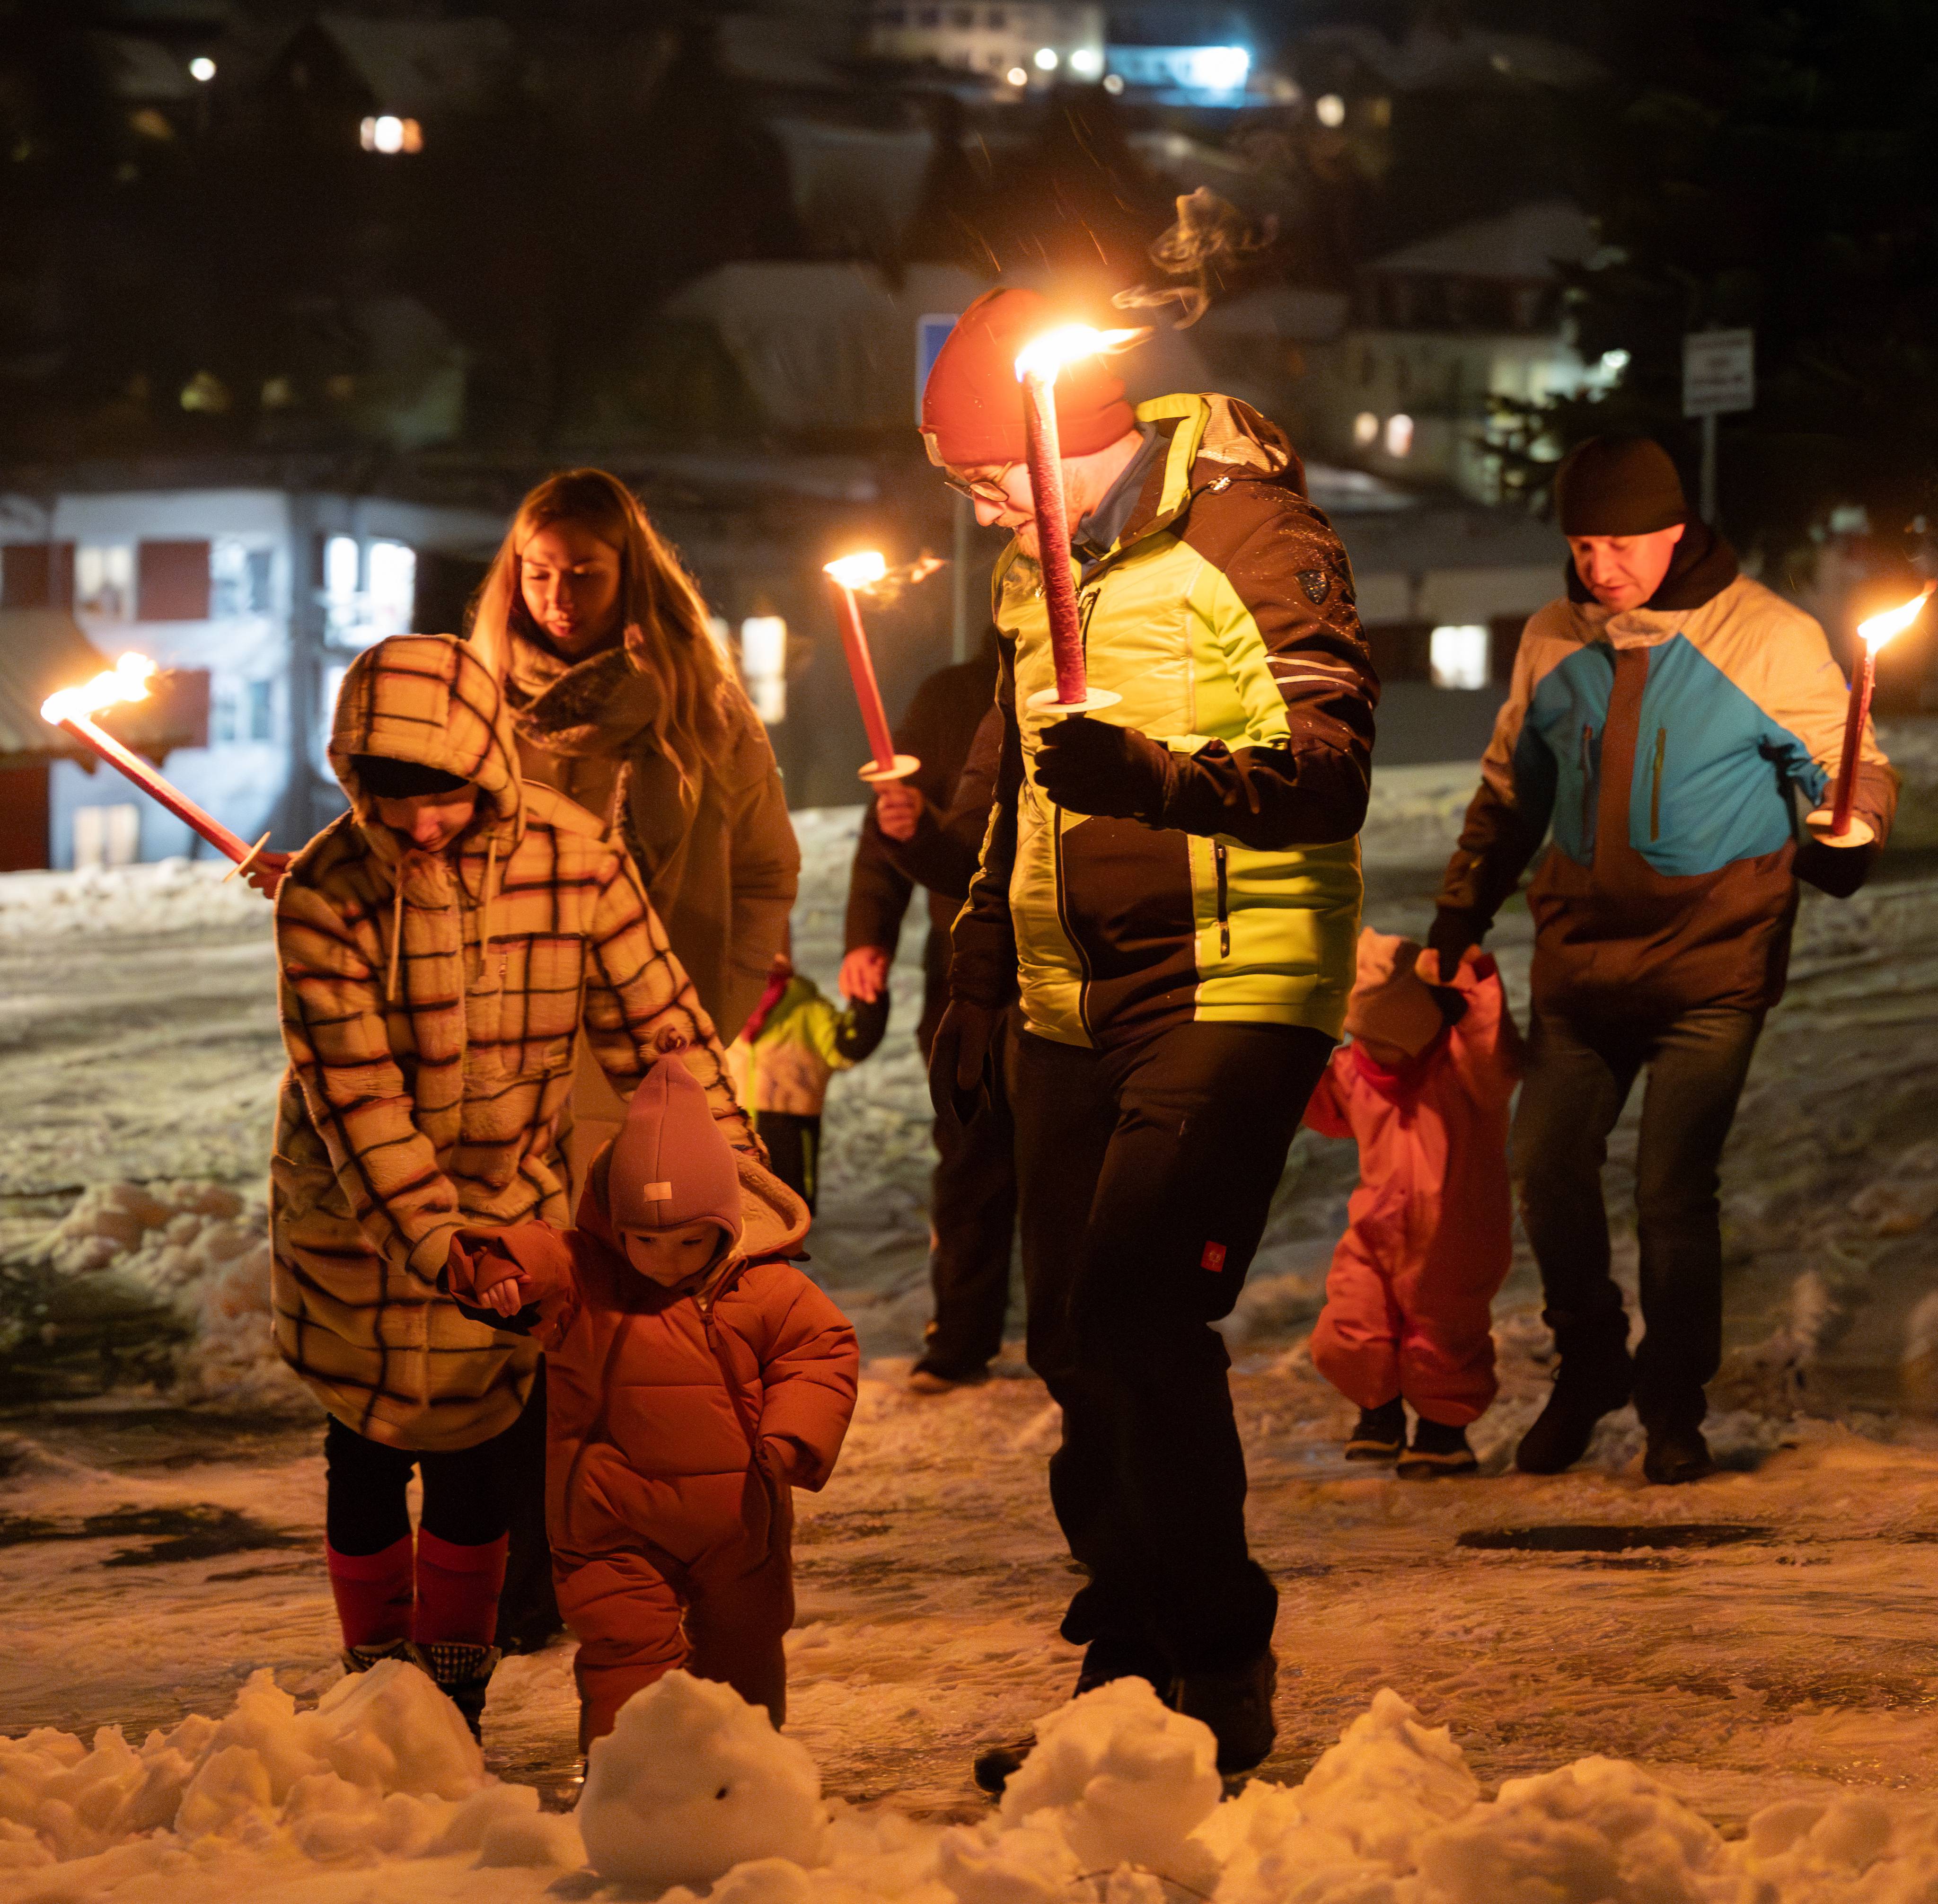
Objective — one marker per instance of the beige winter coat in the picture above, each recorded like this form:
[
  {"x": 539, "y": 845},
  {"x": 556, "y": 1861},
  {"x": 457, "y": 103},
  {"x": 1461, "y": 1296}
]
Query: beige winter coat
[
  {"x": 431, "y": 1007},
  {"x": 719, "y": 860}
]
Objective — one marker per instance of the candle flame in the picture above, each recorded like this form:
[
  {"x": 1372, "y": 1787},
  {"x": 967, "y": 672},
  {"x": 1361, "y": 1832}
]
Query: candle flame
[
  {"x": 1881, "y": 628},
  {"x": 127, "y": 681},
  {"x": 1043, "y": 357},
  {"x": 860, "y": 570}
]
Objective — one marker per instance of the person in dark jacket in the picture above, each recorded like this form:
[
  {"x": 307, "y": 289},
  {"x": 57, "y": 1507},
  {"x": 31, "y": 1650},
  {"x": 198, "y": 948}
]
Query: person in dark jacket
[
  {"x": 1662, "y": 714},
  {"x": 926, "y": 831},
  {"x": 1171, "y": 890}
]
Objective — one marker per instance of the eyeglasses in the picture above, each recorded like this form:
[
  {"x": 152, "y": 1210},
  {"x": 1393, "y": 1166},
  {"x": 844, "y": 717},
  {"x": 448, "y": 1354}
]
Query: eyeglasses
[{"x": 983, "y": 489}]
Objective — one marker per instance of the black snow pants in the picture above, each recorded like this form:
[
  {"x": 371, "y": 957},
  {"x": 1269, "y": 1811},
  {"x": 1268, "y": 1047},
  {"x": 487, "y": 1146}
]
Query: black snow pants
[
  {"x": 972, "y": 1216},
  {"x": 793, "y": 1152},
  {"x": 1580, "y": 1072},
  {"x": 1145, "y": 1176}
]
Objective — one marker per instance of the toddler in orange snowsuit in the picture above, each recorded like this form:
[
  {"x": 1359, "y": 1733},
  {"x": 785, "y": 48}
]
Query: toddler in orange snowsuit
[
  {"x": 695, "y": 1378},
  {"x": 1424, "y": 1089}
]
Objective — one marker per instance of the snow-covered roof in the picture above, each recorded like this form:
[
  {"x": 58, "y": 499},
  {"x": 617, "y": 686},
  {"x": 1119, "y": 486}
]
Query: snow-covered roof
[
  {"x": 1430, "y": 58},
  {"x": 415, "y": 66},
  {"x": 1523, "y": 244},
  {"x": 139, "y": 68},
  {"x": 1294, "y": 314},
  {"x": 852, "y": 184}
]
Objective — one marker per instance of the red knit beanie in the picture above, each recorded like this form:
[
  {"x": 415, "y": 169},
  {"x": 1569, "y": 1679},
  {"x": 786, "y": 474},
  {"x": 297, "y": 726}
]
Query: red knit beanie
[{"x": 972, "y": 407}]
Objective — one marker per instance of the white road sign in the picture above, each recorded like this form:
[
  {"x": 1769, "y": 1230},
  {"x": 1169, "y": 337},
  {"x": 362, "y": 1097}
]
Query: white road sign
[{"x": 1718, "y": 373}]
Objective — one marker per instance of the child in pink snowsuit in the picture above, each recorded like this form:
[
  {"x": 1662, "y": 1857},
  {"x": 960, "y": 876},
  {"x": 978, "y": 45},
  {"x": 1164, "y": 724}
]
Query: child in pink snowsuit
[{"x": 1424, "y": 1089}]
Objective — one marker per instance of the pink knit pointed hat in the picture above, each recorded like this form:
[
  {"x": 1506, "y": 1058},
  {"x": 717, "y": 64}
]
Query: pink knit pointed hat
[{"x": 670, "y": 1163}]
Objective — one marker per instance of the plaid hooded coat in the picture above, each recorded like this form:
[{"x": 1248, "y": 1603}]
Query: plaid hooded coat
[{"x": 432, "y": 1004}]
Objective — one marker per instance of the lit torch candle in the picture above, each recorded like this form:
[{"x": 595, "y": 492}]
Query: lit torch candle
[
  {"x": 1874, "y": 634},
  {"x": 1036, "y": 366},
  {"x": 849, "y": 574},
  {"x": 72, "y": 710}
]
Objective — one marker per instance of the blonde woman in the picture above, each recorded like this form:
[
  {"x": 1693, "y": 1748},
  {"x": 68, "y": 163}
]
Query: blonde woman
[{"x": 621, "y": 700}]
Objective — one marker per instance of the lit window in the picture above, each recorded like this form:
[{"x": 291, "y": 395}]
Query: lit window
[
  {"x": 392, "y": 588},
  {"x": 201, "y": 69},
  {"x": 1366, "y": 429},
  {"x": 1017, "y": 77},
  {"x": 390, "y": 135},
  {"x": 1613, "y": 362},
  {"x": 262, "y": 710},
  {"x": 1220, "y": 69},
  {"x": 1046, "y": 59},
  {"x": 104, "y": 581},
  {"x": 1330, "y": 110},
  {"x": 764, "y": 665},
  {"x": 1457, "y": 654},
  {"x": 107, "y": 835},
  {"x": 1399, "y": 434},
  {"x": 340, "y": 568},
  {"x": 238, "y": 579}
]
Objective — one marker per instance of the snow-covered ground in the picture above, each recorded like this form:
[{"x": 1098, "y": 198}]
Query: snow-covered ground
[{"x": 1760, "y": 1639}]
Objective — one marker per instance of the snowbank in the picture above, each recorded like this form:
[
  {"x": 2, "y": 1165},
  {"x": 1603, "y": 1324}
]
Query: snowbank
[
  {"x": 173, "y": 895},
  {"x": 1119, "y": 1804},
  {"x": 201, "y": 1251},
  {"x": 381, "y": 1769}
]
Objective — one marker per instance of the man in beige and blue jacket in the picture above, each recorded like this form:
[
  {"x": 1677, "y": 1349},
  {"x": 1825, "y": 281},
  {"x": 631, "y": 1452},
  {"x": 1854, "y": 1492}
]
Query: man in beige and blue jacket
[{"x": 1173, "y": 885}]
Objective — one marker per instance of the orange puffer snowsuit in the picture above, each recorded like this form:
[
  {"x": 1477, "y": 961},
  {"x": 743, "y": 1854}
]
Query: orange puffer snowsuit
[
  {"x": 679, "y": 1421},
  {"x": 1429, "y": 1230}
]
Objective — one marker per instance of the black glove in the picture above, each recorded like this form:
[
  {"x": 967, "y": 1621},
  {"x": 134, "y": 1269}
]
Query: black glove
[
  {"x": 1091, "y": 767},
  {"x": 1454, "y": 929},
  {"x": 1837, "y": 870},
  {"x": 958, "y": 1060}
]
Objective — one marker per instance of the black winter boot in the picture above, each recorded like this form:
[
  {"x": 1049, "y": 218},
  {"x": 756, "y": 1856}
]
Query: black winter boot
[
  {"x": 1676, "y": 1453},
  {"x": 1437, "y": 1449},
  {"x": 1379, "y": 1433},
  {"x": 463, "y": 1675},
  {"x": 1587, "y": 1386},
  {"x": 1109, "y": 1656},
  {"x": 1236, "y": 1702}
]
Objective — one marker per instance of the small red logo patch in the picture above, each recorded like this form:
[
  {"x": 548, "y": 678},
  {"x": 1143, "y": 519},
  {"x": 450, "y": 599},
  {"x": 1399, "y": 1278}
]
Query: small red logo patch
[{"x": 1214, "y": 1258}]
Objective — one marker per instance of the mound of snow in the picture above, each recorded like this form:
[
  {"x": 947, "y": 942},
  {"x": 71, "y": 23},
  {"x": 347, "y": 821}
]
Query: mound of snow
[
  {"x": 691, "y": 1782},
  {"x": 382, "y": 1767},
  {"x": 171, "y": 895},
  {"x": 202, "y": 1250}
]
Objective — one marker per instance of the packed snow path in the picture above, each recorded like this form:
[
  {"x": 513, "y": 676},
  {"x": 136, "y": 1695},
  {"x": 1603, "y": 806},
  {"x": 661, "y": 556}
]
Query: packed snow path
[{"x": 155, "y": 1557}]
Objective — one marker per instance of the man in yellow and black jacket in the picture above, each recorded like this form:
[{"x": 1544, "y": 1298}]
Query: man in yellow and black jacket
[{"x": 1173, "y": 885}]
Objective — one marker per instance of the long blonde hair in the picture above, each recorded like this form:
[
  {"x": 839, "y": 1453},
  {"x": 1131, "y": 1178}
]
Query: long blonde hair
[{"x": 665, "y": 620}]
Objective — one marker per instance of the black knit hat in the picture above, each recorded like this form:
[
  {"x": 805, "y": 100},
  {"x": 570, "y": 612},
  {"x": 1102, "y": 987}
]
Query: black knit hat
[
  {"x": 383, "y": 778},
  {"x": 1618, "y": 486}
]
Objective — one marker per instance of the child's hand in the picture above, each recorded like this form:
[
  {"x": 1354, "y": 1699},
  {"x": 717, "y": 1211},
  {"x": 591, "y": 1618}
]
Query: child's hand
[{"x": 509, "y": 1297}]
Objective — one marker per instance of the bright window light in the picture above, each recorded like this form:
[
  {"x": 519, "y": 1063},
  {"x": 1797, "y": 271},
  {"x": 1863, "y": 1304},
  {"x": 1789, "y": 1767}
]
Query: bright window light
[
  {"x": 390, "y": 135},
  {"x": 1329, "y": 110},
  {"x": 1220, "y": 69},
  {"x": 1366, "y": 429},
  {"x": 1046, "y": 59},
  {"x": 1017, "y": 77},
  {"x": 1088, "y": 61},
  {"x": 340, "y": 565},
  {"x": 392, "y": 592},
  {"x": 1614, "y": 362},
  {"x": 1399, "y": 434},
  {"x": 764, "y": 665},
  {"x": 202, "y": 68},
  {"x": 1458, "y": 655}
]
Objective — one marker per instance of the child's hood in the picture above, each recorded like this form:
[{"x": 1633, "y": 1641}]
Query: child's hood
[
  {"x": 671, "y": 1164},
  {"x": 427, "y": 699}
]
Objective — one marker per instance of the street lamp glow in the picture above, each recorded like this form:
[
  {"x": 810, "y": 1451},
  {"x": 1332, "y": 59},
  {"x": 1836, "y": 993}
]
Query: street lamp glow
[
  {"x": 1222, "y": 69},
  {"x": 202, "y": 68},
  {"x": 1329, "y": 110},
  {"x": 1046, "y": 59},
  {"x": 1017, "y": 77}
]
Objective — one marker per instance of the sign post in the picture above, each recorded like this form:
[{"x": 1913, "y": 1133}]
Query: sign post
[
  {"x": 1718, "y": 380},
  {"x": 931, "y": 332}
]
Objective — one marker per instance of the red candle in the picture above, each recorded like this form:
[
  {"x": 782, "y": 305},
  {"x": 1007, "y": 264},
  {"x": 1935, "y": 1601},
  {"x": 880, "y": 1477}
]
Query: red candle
[
  {"x": 850, "y": 573},
  {"x": 1874, "y": 634},
  {"x": 127, "y": 681},
  {"x": 1052, "y": 530}
]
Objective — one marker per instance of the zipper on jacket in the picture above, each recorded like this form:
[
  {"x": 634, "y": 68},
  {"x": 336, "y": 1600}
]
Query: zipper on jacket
[
  {"x": 1218, "y": 857},
  {"x": 1655, "y": 787},
  {"x": 1064, "y": 919},
  {"x": 1588, "y": 794}
]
